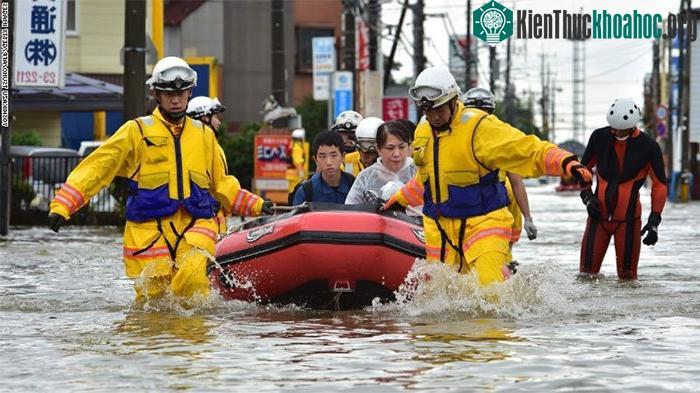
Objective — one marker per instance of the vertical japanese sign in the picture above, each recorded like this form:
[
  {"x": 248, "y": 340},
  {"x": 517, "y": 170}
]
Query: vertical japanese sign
[
  {"x": 323, "y": 52},
  {"x": 394, "y": 108},
  {"x": 38, "y": 43},
  {"x": 5, "y": 50},
  {"x": 342, "y": 92},
  {"x": 362, "y": 40}
]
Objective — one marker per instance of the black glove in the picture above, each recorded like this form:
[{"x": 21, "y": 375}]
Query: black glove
[
  {"x": 652, "y": 228},
  {"x": 592, "y": 205},
  {"x": 267, "y": 208},
  {"x": 56, "y": 221},
  {"x": 579, "y": 172}
]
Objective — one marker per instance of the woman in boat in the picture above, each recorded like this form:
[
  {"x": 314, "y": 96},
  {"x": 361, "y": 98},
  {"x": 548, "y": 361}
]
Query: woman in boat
[{"x": 393, "y": 168}]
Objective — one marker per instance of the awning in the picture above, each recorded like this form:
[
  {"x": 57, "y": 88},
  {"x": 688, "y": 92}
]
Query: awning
[{"x": 79, "y": 94}]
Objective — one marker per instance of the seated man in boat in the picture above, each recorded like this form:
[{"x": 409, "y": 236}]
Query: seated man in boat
[
  {"x": 329, "y": 184},
  {"x": 458, "y": 152},
  {"x": 177, "y": 182}
]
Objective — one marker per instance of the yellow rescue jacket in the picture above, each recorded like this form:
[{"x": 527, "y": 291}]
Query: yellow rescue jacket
[
  {"x": 168, "y": 168},
  {"x": 454, "y": 164},
  {"x": 353, "y": 164}
]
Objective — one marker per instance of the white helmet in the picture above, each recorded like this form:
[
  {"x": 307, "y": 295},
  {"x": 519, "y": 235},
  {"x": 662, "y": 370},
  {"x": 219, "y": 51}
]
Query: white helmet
[
  {"x": 299, "y": 133},
  {"x": 624, "y": 114},
  {"x": 347, "y": 121},
  {"x": 366, "y": 134},
  {"x": 200, "y": 106},
  {"x": 480, "y": 98},
  {"x": 172, "y": 74},
  {"x": 434, "y": 87},
  {"x": 204, "y": 106}
]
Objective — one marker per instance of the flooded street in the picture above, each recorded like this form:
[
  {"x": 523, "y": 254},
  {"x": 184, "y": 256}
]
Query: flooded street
[{"x": 67, "y": 323}]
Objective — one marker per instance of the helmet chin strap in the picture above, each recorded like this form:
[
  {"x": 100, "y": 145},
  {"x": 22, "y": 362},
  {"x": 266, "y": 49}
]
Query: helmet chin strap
[
  {"x": 172, "y": 116},
  {"x": 448, "y": 123}
]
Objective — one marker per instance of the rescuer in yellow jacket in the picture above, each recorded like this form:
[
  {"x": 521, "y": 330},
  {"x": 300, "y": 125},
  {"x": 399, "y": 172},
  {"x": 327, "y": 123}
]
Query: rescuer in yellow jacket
[
  {"x": 459, "y": 153},
  {"x": 295, "y": 172},
  {"x": 346, "y": 125},
  {"x": 518, "y": 203},
  {"x": 177, "y": 182},
  {"x": 207, "y": 110}
]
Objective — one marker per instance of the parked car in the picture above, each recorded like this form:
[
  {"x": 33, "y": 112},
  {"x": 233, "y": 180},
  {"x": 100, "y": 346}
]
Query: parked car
[
  {"x": 41, "y": 169},
  {"x": 87, "y": 147},
  {"x": 46, "y": 164}
]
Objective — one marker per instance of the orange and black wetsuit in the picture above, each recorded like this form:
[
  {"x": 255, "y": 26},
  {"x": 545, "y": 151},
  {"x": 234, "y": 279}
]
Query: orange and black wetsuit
[{"x": 622, "y": 168}]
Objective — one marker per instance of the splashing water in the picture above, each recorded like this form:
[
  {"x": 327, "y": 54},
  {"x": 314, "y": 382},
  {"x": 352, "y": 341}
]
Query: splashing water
[{"x": 434, "y": 288}]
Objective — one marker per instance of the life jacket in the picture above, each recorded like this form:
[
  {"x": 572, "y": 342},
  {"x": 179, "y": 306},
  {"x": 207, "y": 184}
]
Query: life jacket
[
  {"x": 174, "y": 171},
  {"x": 456, "y": 184},
  {"x": 309, "y": 189}
]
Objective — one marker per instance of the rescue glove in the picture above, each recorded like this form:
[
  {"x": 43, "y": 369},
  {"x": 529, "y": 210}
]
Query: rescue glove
[
  {"x": 56, "y": 221},
  {"x": 268, "y": 208},
  {"x": 592, "y": 205},
  {"x": 530, "y": 228},
  {"x": 576, "y": 170},
  {"x": 652, "y": 228}
]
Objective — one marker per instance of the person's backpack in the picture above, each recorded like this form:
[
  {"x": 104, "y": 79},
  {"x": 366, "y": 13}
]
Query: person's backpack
[{"x": 309, "y": 190}]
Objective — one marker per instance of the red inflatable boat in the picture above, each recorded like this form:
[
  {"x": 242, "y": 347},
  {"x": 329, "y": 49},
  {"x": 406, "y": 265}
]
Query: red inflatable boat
[{"x": 320, "y": 256}]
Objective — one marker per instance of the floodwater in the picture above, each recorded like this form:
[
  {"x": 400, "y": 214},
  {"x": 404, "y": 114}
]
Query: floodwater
[{"x": 67, "y": 324}]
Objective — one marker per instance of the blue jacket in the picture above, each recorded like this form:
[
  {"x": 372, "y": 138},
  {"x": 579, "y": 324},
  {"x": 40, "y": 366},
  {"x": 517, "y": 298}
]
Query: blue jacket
[{"x": 322, "y": 192}]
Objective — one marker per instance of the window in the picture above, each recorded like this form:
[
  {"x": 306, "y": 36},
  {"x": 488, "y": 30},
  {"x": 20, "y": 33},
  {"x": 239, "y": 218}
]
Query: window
[
  {"x": 304, "y": 58},
  {"x": 72, "y": 17}
]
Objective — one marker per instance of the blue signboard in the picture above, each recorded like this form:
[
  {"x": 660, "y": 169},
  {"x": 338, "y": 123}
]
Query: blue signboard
[{"x": 342, "y": 92}]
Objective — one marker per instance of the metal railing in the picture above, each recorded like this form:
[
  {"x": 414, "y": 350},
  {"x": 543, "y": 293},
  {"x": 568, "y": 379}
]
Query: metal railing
[{"x": 35, "y": 181}]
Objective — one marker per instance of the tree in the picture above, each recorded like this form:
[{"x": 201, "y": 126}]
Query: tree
[
  {"x": 524, "y": 117},
  {"x": 30, "y": 138},
  {"x": 239, "y": 152},
  {"x": 314, "y": 116}
]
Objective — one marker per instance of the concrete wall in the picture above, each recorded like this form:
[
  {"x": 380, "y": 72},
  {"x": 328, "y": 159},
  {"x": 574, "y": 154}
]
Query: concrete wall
[
  {"x": 97, "y": 46},
  {"x": 202, "y": 32},
  {"x": 247, "y": 71},
  {"x": 46, "y": 124},
  {"x": 316, "y": 13}
]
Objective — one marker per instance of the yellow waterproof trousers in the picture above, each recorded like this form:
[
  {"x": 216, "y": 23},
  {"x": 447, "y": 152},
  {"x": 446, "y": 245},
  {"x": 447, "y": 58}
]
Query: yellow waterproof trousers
[
  {"x": 517, "y": 226},
  {"x": 484, "y": 244},
  {"x": 148, "y": 255}
]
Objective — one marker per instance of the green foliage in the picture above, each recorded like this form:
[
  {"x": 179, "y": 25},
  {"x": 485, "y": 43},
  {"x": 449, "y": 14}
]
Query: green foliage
[
  {"x": 21, "y": 191},
  {"x": 314, "y": 116},
  {"x": 523, "y": 117},
  {"x": 30, "y": 138},
  {"x": 239, "y": 152}
]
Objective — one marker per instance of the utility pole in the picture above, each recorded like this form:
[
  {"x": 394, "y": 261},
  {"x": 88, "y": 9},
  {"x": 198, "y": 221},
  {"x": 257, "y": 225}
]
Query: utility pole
[
  {"x": 279, "y": 71},
  {"x": 397, "y": 34},
  {"x": 655, "y": 86},
  {"x": 134, "y": 59},
  {"x": 374, "y": 20},
  {"x": 7, "y": 28},
  {"x": 509, "y": 96},
  {"x": 545, "y": 98},
  {"x": 579, "y": 84},
  {"x": 552, "y": 105},
  {"x": 685, "y": 90},
  {"x": 493, "y": 67},
  {"x": 468, "y": 44},
  {"x": 418, "y": 20},
  {"x": 349, "y": 43}
]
